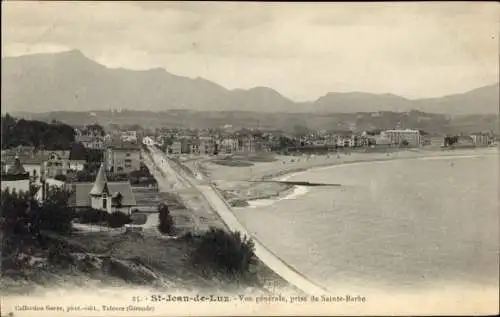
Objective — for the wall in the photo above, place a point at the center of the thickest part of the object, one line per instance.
(19, 185)
(124, 161)
(97, 201)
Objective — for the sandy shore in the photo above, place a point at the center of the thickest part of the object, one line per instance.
(232, 181)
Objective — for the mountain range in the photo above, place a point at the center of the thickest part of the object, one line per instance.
(70, 81)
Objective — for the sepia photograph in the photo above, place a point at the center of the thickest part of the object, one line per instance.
(234, 158)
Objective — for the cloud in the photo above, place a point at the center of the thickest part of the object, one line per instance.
(301, 49)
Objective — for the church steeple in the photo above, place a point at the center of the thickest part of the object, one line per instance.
(101, 183)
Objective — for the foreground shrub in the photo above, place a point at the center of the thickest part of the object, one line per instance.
(60, 256)
(53, 214)
(91, 215)
(23, 219)
(166, 225)
(118, 219)
(226, 252)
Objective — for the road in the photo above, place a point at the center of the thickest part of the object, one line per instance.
(221, 207)
(170, 180)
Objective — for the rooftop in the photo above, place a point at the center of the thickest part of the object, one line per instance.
(81, 193)
(100, 184)
(403, 130)
(123, 146)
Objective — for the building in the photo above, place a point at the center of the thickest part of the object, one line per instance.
(344, 141)
(95, 143)
(246, 143)
(77, 165)
(129, 136)
(400, 137)
(382, 141)
(15, 177)
(194, 146)
(103, 195)
(480, 139)
(186, 143)
(207, 145)
(123, 158)
(148, 141)
(175, 148)
(31, 161)
(91, 136)
(227, 145)
(57, 163)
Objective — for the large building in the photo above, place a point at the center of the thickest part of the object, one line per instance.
(123, 157)
(479, 139)
(400, 137)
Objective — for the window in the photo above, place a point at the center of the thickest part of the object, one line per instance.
(127, 154)
(104, 203)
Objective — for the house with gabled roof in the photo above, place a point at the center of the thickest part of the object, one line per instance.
(15, 177)
(103, 195)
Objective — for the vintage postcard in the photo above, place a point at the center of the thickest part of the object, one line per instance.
(249, 158)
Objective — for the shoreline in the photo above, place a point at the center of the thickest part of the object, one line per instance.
(283, 174)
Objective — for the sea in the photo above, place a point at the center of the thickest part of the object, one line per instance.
(412, 226)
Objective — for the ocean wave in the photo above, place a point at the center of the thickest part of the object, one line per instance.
(295, 193)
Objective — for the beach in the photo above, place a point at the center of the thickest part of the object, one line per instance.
(233, 183)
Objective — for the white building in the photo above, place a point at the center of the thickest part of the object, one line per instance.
(398, 137)
(148, 141)
(480, 138)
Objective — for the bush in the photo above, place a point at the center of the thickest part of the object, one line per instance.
(91, 215)
(118, 219)
(23, 219)
(227, 252)
(61, 178)
(60, 256)
(166, 225)
(188, 236)
(54, 214)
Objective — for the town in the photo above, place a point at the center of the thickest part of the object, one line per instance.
(120, 151)
(92, 155)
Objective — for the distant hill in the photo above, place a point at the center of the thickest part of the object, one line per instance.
(69, 81)
(437, 124)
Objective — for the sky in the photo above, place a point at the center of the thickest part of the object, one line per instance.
(302, 50)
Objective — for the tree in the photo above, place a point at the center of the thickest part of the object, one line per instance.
(23, 220)
(61, 178)
(166, 225)
(300, 130)
(117, 219)
(450, 140)
(55, 213)
(55, 136)
(117, 201)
